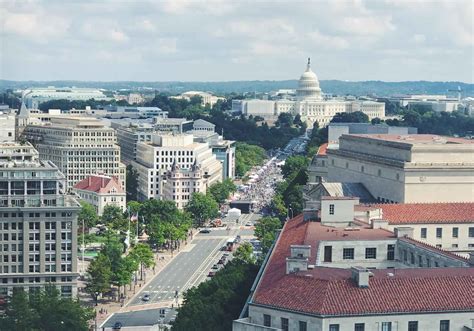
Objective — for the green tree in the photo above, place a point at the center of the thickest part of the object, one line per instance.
(293, 165)
(355, 117)
(131, 183)
(202, 207)
(143, 254)
(133, 206)
(88, 215)
(99, 275)
(265, 231)
(220, 191)
(114, 218)
(245, 253)
(247, 156)
(213, 305)
(18, 313)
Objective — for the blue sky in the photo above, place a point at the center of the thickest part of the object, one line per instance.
(391, 40)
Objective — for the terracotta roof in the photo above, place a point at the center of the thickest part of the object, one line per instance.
(331, 291)
(425, 213)
(99, 184)
(322, 149)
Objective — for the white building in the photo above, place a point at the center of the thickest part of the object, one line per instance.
(406, 168)
(309, 104)
(435, 102)
(33, 97)
(7, 127)
(166, 150)
(101, 191)
(79, 146)
(207, 98)
(330, 271)
(135, 98)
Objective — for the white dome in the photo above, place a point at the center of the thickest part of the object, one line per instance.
(308, 85)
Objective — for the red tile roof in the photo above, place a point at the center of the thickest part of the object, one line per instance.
(322, 149)
(425, 213)
(99, 184)
(331, 291)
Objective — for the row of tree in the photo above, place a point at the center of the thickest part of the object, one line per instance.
(46, 310)
(112, 267)
(247, 156)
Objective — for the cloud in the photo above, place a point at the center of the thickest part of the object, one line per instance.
(327, 41)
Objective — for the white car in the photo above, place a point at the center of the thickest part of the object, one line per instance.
(248, 224)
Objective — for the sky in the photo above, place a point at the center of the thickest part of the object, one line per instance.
(220, 40)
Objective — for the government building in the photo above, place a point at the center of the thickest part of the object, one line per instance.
(309, 104)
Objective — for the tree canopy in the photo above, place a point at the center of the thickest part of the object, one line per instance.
(247, 156)
(88, 215)
(202, 207)
(45, 310)
(220, 191)
(265, 231)
(354, 117)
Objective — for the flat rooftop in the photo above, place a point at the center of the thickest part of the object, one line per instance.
(415, 139)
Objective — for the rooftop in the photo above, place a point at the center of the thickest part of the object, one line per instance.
(322, 150)
(416, 139)
(331, 291)
(424, 213)
(99, 184)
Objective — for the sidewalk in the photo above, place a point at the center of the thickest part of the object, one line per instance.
(108, 306)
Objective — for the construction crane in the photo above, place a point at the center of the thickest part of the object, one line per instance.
(458, 90)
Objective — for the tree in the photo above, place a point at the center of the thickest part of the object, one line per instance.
(247, 156)
(143, 254)
(45, 311)
(114, 218)
(213, 305)
(285, 119)
(202, 207)
(133, 206)
(293, 165)
(220, 191)
(355, 117)
(131, 183)
(265, 231)
(245, 253)
(99, 276)
(88, 215)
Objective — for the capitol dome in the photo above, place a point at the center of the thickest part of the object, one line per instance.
(308, 85)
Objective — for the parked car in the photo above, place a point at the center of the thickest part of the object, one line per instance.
(211, 274)
(215, 267)
(221, 261)
(205, 231)
(146, 297)
(248, 224)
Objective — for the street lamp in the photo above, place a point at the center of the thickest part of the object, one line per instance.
(96, 298)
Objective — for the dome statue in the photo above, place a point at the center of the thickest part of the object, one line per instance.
(308, 85)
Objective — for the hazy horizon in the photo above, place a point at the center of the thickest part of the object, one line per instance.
(221, 41)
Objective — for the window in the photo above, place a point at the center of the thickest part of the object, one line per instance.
(359, 327)
(303, 326)
(327, 253)
(386, 326)
(413, 326)
(444, 325)
(284, 324)
(390, 252)
(333, 327)
(439, 232)
(267, 320)
(348, 254)
(331, 209)
(471, 232)
(455, 232)
(371, 253)
(423, 233)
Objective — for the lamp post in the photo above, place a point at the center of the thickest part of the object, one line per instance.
(83, 246)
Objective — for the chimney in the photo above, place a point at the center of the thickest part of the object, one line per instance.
(361, 276)
(404, 231)
(379, 223)
(310, 214)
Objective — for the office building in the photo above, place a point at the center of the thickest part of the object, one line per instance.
(419, 168)
(176, 125)
(7, 126)
(174, 152)
(38, 223)
(207, 99)
(101, 191)
(79, 146)
(33, 97)
(329, 270)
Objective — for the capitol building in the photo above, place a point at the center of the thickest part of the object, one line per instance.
(309, 103)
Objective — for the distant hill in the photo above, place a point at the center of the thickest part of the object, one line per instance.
(378, 88)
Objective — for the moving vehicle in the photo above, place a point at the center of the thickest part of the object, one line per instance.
(248, 224)
(146, 297)
(205, 231)
(216, 223)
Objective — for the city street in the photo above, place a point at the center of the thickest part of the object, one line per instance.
(191, 266)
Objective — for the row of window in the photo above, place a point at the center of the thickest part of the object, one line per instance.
(444, 325)
(439, 232)
(348, 253)
(52, 279)
(174, 153)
